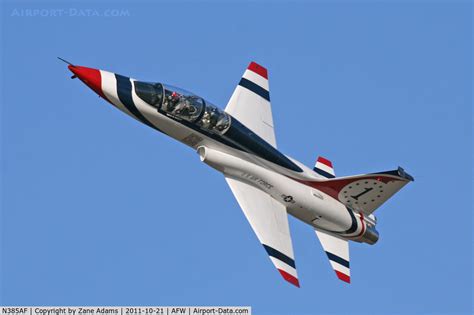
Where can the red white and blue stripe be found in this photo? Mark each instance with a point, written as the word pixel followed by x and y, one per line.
pixel 284 264
pixel 337 250
pixel 324 168
pixel 255 79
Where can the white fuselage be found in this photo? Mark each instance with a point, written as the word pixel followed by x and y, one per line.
pixel 306 203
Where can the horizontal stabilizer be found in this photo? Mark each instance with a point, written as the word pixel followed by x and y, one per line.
pixel 364 193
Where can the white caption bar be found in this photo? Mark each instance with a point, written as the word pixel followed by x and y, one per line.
pixel 126 310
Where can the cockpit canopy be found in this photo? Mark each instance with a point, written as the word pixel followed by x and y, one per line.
pixel 183 105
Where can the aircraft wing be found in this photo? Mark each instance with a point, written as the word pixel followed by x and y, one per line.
pixel 337 250
pixel 269 221
pixel 250 103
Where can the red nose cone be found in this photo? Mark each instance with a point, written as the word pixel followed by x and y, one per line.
pixel 89 76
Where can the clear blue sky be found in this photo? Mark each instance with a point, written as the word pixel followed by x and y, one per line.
pixel 100 210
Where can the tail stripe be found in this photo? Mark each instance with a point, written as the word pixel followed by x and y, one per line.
pixel 255 67
pixel 257 89
pixel 324 168
pixel 325 162
pixel 323 173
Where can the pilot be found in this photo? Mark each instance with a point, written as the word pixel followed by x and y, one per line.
pixel 185 107
pixel 213 117
pixel 222 123
pixel 173 100
pixel 189 109
pixel 191 103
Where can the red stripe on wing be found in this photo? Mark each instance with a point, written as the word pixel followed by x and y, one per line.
pixel 258 69
pixel 343 277
pixel 294 281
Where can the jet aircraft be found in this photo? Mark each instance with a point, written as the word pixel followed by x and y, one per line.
pixel 240 143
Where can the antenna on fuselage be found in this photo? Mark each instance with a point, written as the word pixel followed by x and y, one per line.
pixel 64 60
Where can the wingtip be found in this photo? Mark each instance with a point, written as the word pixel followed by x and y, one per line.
pixel 343 277
pixel 259 69
pixel 402 173
pixel 291 279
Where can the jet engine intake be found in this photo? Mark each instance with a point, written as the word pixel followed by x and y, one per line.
pixel 220 161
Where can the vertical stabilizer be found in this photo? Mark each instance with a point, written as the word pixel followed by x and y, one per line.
pixel 324 168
